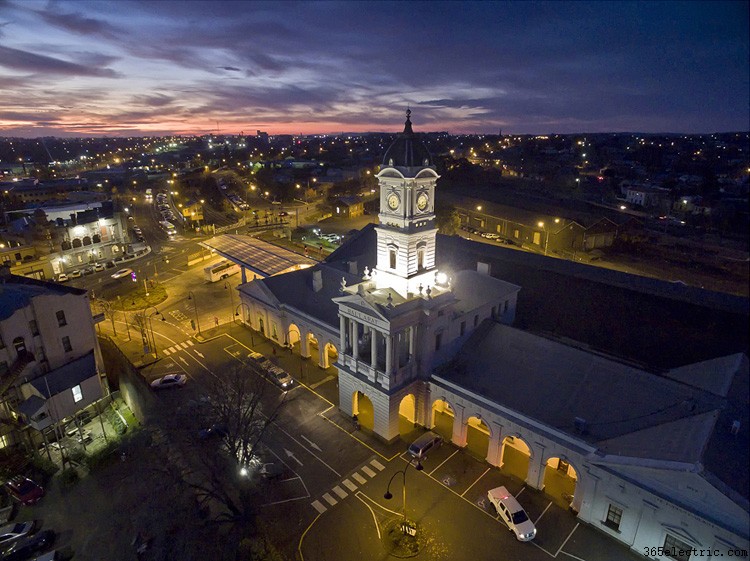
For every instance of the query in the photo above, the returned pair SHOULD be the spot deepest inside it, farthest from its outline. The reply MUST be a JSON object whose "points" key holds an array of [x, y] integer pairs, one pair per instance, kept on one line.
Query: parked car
{"points": [[280, 377], [110, 264], [25, 548], [217, 429], [76, 274], [423, 444], [62, 277], [260, 360], [169, 381], [98, 267], [24, 490], [122, 273], [512, 513], [271, 470], [11, 533]]}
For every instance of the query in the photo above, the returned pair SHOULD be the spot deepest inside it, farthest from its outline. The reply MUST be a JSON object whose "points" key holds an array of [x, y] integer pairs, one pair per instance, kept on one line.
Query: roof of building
{"points": [[350, 201], [473, 289], [67, 376], [257, 255], [16, 292], [30, 406], [408, 150]]}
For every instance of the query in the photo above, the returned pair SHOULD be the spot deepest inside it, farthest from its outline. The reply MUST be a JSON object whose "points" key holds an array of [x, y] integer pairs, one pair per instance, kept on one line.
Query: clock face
{"points": [[393, 201], [422, 201]]}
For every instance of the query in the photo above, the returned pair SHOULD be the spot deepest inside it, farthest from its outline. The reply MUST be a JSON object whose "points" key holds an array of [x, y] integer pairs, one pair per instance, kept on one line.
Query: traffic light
{"points": [[133, 277]]}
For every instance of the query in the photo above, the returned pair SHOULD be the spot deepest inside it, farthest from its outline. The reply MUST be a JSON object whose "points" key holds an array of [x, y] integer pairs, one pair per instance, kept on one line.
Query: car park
{"points": [[13, 532], [512, 513], [62, 277], [24, 490], [26, 547], [169, 381], [121, 273]]}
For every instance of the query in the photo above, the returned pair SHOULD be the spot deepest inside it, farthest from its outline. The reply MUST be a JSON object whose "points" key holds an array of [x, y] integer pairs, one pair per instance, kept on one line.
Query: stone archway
{"points": [[328, 355], [363, 409], [407, 414], [292, 336], [514, 457], [442, 419], [477, 436], [560, 481]]}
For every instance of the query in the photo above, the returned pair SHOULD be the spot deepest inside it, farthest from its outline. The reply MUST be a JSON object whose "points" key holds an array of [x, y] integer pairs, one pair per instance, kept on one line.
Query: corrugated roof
{"points": [[261, 257]]}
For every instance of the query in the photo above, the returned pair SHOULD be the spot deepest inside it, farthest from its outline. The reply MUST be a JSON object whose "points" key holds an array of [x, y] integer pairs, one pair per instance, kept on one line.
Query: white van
{"points": [[422, 445], [512, 513]]}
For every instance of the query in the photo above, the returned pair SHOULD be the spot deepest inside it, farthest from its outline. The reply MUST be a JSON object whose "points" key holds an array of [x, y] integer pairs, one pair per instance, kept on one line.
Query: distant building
{"points": [[348, 207], [50, 362]]}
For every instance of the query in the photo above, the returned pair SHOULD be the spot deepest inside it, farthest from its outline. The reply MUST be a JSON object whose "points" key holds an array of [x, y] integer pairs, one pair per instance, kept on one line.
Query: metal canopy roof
{"points": [[261, 257]]}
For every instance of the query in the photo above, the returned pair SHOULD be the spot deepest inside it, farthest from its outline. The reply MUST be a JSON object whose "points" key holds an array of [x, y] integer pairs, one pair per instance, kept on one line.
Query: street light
{"points": [[388, 495], [245, 318], [151, 326], [546, 238], [195, 303], [231, 300]]}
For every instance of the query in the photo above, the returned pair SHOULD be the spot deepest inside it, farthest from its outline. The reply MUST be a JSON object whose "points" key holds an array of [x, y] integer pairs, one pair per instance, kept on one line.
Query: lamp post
{"points": [[192, 297], [231, 301], [546, 237], [244, 319], [151, 326], [388, 495]]}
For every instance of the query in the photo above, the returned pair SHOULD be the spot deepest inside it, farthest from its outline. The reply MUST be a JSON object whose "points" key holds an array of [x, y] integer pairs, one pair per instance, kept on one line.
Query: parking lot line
{"points": [[445, 460], [317, 505], [542, 514], [477, 479], [566, 539], [349, 485]]}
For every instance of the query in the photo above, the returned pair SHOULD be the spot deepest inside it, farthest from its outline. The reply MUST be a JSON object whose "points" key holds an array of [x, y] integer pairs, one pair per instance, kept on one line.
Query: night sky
{"points": [[150, 68]]}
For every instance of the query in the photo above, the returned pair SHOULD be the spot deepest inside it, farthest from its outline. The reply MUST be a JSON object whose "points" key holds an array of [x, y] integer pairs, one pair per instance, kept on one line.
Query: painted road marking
{"points": [[166, 352], [190, 342], [323, 381], [184, 345], [340, 492], [377, 465], [368, 471], [317, 505], [349, 485], [329, 499], [542, 514], [361, 480]]}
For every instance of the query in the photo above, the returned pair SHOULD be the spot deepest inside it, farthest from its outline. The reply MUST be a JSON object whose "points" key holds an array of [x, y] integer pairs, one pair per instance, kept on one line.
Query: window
{"points": [[66, 344], [516, 234], [676, 549], [463, 328], [614, 515], [537, 238], [33, 328], [420, 258], [77, 394], [61, 321], [505, 307], [392, 254], [438, 341]]}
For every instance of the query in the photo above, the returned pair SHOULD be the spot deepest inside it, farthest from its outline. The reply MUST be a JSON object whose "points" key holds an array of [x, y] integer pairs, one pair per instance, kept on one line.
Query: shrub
{"points": [[68, 477]]}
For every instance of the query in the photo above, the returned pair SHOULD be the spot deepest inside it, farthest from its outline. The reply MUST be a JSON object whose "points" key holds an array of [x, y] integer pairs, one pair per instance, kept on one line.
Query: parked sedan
{"points": [[11, 533], [24, 490], [62, 277], [99, 267], [76, 274], [122, 273], [280, 377], [26, 547], [169, 381]]}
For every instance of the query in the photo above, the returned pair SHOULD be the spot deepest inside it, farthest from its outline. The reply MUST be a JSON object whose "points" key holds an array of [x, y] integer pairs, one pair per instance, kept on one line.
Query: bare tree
{"points": [[214, 442]]}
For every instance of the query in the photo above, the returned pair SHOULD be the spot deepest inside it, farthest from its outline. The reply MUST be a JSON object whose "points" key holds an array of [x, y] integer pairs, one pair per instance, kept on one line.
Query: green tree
{"points": [[447, 219]]}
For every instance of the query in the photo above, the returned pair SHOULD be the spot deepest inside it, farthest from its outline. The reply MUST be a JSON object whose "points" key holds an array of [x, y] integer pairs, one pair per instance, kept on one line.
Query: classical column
{"points": [[412, 339], [343, 333], [388, 354], [354, 330], [493, 450], [374, 349], [244, 274], [460, 427], [535, 475]]}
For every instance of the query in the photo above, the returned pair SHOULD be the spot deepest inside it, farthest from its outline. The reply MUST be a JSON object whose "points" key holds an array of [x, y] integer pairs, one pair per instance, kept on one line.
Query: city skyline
{"points": [[160, 68]]}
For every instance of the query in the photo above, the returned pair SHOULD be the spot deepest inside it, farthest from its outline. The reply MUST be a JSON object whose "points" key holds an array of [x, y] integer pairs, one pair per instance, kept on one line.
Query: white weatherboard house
{"points": [[647, 457]]}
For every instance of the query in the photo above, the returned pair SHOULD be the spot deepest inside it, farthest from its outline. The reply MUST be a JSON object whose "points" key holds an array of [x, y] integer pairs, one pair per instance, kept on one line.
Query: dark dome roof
{"points": [[407, 150]]}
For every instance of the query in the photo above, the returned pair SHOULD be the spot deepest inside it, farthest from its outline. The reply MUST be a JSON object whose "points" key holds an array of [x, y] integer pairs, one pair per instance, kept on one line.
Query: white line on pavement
{"points": [[445, 460]]}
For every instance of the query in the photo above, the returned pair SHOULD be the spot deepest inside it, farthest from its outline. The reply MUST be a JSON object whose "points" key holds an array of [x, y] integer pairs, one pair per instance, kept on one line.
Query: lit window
{"points": [[77, 394], [614, 516], [676, 549], [393, 258]]}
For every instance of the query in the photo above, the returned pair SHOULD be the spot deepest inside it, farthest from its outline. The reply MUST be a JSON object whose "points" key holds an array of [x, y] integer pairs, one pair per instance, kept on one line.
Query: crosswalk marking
{"points": [[340, 492], [368, 471], [190, 342], [377, 465], [184, 345], [171, 349], [329, 499], [349, 485], [317, 505], [361, 480], [166, 352]]}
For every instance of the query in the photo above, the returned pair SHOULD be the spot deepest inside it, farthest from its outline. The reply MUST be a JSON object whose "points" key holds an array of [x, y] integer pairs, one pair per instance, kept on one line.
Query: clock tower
{"points": [[406, 232]]}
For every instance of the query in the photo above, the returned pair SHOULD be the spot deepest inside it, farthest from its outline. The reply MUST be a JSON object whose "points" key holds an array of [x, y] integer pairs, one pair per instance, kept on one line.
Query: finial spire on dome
{"points": [[407, 124]]}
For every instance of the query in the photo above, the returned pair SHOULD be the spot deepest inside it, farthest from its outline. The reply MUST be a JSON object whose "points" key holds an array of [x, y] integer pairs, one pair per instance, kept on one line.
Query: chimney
{"points": [[317, 280], [483, 268], [353, 267]]}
